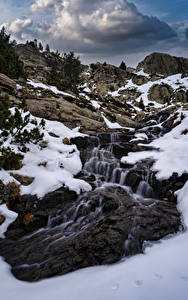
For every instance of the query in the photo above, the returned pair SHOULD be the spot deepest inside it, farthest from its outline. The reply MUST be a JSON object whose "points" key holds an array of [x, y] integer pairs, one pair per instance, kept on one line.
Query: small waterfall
{"points": [[106, 167], [144, 190]]}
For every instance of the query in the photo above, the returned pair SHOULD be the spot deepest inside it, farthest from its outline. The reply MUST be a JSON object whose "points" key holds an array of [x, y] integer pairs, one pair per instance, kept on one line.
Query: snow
{"points": [[110, 124], [48, 87], [175, 81], [9, 215], [142, 73], [95, 104], [61, 162], [172, 156], [85, 96], [19, 87], [115, 125], [86, 88], [140, 136]]}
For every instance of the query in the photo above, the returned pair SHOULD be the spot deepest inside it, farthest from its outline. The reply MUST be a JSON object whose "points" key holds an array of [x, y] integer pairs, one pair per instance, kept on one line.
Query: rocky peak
{"points": [[164, 64]]}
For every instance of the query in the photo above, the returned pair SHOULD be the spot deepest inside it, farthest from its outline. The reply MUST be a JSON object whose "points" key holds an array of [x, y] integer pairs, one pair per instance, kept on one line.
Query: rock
{"points": [[181, 96], [68, 113], [7, 82], [165, 64], [28, 218], [99, 228], [24, 180], [2, 219], [139, 80], [66, 141], [4, 193], [161, 93]]}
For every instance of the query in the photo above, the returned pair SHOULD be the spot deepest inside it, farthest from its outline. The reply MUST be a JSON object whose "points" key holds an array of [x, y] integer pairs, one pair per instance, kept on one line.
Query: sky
{"points": [[101, 30]]}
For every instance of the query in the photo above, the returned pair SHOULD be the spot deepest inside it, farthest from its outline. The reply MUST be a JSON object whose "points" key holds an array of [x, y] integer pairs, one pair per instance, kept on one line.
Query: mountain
{"points": [[102, 176]]}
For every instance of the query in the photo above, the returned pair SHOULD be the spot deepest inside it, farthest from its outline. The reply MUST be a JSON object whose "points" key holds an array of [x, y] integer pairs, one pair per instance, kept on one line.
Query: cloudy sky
{"points": [[101, 30]]}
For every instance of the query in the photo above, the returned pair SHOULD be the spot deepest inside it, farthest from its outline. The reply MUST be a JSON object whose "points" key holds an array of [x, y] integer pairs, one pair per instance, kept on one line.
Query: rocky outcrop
{"points": [[164, 64], [107, 77], [161, 93], [6, 82], [64, 111]]}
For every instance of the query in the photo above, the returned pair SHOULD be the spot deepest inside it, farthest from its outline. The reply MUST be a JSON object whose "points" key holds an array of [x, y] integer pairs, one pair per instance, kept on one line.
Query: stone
{"points": [[161, 93], [7, 82], [2, 219]]}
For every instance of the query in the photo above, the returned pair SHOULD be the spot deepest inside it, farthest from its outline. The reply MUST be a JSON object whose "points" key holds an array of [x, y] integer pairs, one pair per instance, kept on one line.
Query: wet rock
{"points": [[114, 225]]}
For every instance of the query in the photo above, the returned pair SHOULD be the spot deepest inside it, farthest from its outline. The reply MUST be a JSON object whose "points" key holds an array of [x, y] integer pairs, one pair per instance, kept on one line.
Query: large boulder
{"points": [[164, 64], [161, 93]]}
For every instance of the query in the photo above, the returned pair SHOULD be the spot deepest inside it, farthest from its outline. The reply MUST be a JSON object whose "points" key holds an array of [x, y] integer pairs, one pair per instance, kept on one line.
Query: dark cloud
{"points": [[105, 25], [186, 33]]}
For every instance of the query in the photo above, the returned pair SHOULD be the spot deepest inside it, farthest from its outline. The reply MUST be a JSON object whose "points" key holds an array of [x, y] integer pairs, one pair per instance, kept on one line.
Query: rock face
{"points": [[163, 64], [64, 111]]}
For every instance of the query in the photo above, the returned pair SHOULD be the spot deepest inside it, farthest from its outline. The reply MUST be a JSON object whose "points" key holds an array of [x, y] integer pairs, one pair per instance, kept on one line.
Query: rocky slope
{"points": [[121, 111]]}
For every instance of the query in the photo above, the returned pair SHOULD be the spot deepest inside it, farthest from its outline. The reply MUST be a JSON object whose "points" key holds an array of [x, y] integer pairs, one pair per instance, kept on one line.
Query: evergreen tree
{"points": [[40, 46], [71, 71], [141, 104], [10, 64], [69, 75], [47, 48], [123, 66]]}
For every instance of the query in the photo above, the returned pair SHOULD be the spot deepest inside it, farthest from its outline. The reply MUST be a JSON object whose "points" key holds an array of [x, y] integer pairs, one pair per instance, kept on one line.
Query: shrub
{"points": [[13, 128]]}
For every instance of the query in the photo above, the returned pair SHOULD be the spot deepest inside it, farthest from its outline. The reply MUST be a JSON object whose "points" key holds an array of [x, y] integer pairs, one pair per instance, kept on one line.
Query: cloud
{"points": [[100, 26], [20, 28], [46, 5]]}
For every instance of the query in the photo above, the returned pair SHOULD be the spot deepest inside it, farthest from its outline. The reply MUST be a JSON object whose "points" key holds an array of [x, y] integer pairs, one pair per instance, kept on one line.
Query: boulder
{"points": [[5, 81], [161, 93]]}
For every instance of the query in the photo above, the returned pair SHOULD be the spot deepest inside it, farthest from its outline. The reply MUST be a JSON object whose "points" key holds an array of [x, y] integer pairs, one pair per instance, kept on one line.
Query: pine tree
{"points": [[123, 66], [47, 48], [40, 46], [71, 71], [10, 64], [69, 76]]}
